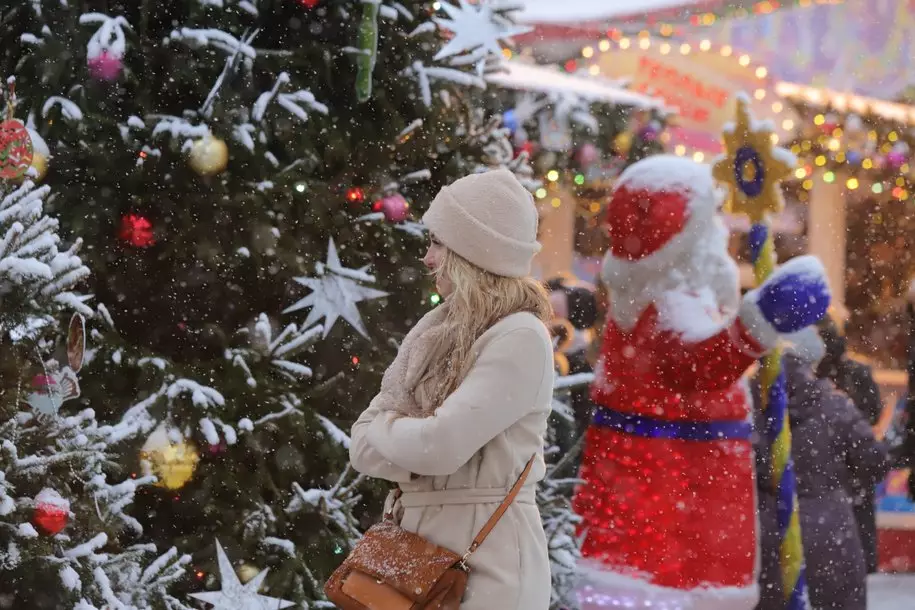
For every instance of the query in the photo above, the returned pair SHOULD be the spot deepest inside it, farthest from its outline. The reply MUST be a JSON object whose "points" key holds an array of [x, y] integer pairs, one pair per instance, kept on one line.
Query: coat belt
{"points": [[472, 495]]}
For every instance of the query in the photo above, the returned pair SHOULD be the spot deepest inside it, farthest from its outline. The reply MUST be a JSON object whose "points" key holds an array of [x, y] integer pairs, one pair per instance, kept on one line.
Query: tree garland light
{"points": [[860, 150]]}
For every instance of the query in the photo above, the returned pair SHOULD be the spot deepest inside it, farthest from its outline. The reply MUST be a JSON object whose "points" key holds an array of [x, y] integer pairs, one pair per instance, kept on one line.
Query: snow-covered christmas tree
{"points": [[245, 174], [66, 539]]}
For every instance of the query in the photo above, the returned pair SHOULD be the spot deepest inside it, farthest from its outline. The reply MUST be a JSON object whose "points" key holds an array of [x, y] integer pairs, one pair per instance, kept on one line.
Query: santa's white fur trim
{"points": [[600, 589], [755, 322]]}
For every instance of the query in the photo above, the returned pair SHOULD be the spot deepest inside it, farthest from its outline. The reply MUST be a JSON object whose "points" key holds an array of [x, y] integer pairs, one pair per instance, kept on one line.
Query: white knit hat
{"points": [[490, 220]]}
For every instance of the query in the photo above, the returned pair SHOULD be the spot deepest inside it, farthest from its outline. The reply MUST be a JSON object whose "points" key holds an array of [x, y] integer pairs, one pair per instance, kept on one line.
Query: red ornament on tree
{"points": [[52, 512], [136, 231], [15, 149], [355, 195], [309, 3], [527, 147], [394, 207]]}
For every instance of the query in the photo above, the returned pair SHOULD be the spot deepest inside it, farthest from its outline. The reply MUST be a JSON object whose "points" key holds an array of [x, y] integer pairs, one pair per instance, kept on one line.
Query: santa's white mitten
{"points": [[792, 298]]}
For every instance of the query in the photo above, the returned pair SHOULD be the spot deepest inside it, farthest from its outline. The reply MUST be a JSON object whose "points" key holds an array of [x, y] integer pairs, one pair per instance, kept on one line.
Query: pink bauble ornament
{"points": [[394, 207], [587, 155], [896, 159], [105, 66]]}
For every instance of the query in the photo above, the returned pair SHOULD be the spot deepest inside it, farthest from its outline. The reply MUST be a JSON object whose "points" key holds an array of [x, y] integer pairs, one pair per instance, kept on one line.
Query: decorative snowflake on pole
{"points": [[335, 293], [237, 596], [475, 27]]}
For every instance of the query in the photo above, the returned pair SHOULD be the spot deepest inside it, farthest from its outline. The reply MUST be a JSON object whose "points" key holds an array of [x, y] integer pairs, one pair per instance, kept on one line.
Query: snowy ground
{"points": [[891, 592]]}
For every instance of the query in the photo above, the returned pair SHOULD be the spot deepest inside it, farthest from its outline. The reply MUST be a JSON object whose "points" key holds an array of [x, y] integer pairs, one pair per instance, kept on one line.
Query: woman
{"points": [[464, 406], [832, 443]]}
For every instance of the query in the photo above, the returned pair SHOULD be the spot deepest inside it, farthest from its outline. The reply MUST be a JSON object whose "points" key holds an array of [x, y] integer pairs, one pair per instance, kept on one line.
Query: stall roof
{"points": [[526, 76], [571, 11]]}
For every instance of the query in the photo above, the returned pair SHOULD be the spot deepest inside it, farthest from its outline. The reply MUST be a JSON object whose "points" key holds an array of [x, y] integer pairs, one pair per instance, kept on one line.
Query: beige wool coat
{"points": [[456, 465]]}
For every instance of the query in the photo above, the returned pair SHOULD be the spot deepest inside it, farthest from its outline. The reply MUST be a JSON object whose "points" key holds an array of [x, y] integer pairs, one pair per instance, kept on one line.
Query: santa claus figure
{"points": [[667, 500]]}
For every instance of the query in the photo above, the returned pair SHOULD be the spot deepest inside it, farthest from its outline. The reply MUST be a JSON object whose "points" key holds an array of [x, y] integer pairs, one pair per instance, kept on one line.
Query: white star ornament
{"points": [[237, 596], [335, 293], [474, 26]]}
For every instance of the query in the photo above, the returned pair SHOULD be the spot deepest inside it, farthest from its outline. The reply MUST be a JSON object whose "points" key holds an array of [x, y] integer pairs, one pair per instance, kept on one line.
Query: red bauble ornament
{"points": [[394, 207], [527, 147], [15, 149], [136, 231], [355, 195], [105, 66], [219, 448], [309, 3], [52, 512]]}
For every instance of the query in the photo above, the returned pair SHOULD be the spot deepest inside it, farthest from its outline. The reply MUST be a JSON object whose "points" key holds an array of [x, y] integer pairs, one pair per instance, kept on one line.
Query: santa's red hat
{"points": [[661, 206]]}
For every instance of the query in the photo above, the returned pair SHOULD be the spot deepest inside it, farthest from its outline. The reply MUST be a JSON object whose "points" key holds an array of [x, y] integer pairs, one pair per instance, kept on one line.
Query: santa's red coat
{"points": [[677, 513]]}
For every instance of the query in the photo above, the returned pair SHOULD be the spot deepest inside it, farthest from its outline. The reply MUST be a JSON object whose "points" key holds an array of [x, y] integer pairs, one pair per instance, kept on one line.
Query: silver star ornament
{"points": [[473, 27], [237, 596], [335, 293]]}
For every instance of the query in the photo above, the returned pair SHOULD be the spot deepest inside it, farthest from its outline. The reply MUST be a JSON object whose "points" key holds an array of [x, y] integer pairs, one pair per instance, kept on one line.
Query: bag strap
{"points": [[496, 516]]}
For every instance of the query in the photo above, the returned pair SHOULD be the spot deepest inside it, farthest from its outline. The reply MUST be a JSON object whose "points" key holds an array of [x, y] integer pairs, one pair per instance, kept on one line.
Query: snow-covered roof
{"points": [[569, 11], [545, 79]]}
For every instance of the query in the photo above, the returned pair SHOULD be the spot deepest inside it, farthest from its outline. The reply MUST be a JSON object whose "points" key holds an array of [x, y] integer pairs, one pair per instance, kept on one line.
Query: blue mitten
{"points": [[792, 298]]}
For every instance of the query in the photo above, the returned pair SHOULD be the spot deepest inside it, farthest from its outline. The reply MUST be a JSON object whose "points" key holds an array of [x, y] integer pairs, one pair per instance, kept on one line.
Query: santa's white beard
{"points": [[705, 266]]}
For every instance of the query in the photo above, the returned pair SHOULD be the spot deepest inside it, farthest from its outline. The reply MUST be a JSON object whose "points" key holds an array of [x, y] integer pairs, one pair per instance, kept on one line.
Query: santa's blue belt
{"points": [[650, 427]]}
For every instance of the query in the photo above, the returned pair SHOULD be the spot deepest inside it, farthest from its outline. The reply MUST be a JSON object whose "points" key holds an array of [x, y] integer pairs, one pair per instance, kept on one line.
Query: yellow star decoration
{"points": [[752, 167]]}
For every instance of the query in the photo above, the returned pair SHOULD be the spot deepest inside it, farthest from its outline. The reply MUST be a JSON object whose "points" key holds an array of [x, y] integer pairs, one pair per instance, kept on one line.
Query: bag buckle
{"points": [[462, 564]]}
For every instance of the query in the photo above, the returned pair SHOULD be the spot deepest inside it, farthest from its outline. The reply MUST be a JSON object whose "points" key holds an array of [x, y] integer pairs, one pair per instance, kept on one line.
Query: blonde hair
{"points": [[478, 300]]}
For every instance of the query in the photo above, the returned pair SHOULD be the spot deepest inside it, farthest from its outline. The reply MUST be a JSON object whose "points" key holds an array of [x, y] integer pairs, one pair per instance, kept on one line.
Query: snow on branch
{"points": [[33, 272], [68, 109], [212, 37]]}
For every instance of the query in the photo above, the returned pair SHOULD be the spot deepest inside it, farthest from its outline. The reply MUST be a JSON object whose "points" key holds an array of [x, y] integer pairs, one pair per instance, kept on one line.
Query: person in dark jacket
{"points": [[907, 454], [578, 305], [832, 444], [856, 380]]}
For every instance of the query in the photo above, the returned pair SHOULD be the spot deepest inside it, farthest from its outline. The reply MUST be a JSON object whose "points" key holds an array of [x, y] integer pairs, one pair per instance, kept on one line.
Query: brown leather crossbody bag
{"points": [[393, 569]]}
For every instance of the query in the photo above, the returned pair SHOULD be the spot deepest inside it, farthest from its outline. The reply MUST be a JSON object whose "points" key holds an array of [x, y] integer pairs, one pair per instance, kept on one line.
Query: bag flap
{"points": [[409, 563]]}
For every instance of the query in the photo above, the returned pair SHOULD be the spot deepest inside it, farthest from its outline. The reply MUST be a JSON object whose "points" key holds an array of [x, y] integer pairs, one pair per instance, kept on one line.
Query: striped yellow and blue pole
{"points": [[752, 167], [778, 433]]}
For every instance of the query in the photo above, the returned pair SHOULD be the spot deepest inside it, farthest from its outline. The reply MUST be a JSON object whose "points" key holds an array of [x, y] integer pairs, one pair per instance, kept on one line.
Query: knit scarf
{"points": [[400, 389]]}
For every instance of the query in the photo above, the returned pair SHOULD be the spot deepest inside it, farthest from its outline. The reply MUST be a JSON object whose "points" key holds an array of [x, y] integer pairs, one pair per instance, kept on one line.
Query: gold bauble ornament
{"points": [[209, 156], [246, 572], [169, 457], [623, 142], [38, 169]]}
